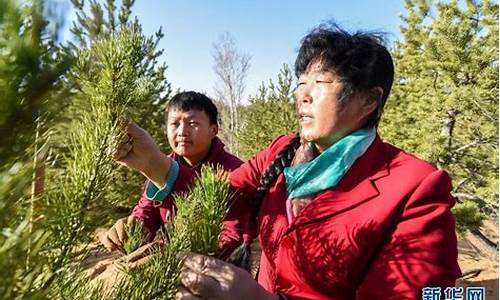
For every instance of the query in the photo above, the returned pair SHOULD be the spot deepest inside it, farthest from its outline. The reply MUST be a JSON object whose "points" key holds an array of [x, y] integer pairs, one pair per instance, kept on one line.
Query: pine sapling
{"points": [[135, 237], [195, 227]]}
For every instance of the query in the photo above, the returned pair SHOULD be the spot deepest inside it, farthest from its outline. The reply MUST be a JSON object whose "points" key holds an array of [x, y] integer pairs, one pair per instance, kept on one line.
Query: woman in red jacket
{"points": [[339, 213]]}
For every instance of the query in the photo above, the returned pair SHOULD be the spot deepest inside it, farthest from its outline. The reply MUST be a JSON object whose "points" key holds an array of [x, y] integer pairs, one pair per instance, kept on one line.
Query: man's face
{"points": [[323, 119], [190, 133]]}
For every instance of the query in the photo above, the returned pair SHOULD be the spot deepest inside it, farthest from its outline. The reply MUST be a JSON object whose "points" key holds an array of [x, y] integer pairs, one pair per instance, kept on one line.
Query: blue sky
{"points": [[269, 31]]}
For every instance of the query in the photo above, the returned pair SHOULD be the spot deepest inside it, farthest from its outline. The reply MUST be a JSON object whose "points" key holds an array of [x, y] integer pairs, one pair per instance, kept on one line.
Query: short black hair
{"points": [[191, 100], [360, 60]]}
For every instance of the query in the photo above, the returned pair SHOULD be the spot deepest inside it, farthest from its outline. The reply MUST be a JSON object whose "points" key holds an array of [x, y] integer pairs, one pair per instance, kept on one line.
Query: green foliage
{"points": [[19, 250], [148, 86], [444, 107], [198, 220], [270, 113], [470, 217], [444, 104], [109, 82], [30, 65], [66, 124], [135, 237], [30, 72], [195, 227]]}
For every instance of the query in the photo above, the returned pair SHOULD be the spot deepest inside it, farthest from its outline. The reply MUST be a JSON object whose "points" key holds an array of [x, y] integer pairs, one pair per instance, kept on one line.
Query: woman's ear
{"points": [[372, 100]]}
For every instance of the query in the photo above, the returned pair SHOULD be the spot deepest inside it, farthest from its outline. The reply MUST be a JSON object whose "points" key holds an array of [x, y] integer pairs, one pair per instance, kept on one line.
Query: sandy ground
{"points": [[479, 260]]}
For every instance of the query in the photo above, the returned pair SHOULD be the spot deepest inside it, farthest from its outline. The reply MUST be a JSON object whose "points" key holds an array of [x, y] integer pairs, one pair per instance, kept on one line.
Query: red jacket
{"points": [[384, 231], [155, 215]]}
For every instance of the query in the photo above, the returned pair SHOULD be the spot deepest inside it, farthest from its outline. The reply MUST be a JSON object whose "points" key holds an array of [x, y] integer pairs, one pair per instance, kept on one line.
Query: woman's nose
{"points": [[182, 129], [304, 94], [307, 98]]}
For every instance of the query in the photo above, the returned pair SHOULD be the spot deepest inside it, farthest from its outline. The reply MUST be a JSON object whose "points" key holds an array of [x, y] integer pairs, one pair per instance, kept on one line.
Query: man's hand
{"points": [[116, 236], [138, 150], [142, 254], [204, 277]]}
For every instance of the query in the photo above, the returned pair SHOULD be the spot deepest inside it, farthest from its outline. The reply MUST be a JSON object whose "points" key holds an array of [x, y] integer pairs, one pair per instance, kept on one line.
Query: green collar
{"points": [[328, 168]]}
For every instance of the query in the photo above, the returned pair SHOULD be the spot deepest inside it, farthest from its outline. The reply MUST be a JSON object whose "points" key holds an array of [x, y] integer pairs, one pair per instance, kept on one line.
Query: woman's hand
{"points": [[206, 277], [138, 150]]}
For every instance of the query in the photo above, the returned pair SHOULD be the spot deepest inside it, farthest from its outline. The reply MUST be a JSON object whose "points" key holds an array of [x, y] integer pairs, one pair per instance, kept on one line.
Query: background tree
{"points": [[30, 66], [444, 104], [96, 22], [116, 74], [31, 69], [269, 114], [231, 68], [72, 117]]}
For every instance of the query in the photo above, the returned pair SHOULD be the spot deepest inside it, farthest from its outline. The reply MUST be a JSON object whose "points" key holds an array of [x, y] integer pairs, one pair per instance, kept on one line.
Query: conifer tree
{"points": [[104, 22], [444, 103], [196, 227], [74, 200], [116, 74], [31, 67], [270, 113]]}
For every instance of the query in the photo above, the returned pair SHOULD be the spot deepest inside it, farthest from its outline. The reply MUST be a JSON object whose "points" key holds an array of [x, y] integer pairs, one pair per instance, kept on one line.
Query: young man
{"points": [[191, 129]]}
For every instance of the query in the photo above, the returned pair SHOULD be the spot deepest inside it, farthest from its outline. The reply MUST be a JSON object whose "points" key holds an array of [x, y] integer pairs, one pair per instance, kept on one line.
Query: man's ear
{"points": [[214, 129]]}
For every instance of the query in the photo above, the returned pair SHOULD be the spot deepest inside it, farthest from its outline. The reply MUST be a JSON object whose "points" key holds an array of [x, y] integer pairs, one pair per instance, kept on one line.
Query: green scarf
{"points": [[328, 168]]}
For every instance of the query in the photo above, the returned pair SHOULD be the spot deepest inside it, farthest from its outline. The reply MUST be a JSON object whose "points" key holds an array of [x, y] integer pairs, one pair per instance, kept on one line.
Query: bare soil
{"points": [[479, 262]]}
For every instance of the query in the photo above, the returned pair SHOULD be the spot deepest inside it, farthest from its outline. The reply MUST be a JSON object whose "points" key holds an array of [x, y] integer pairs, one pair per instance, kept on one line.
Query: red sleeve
{"points": [[238, 226], [422, 251], [146, 211], [153, 214]]}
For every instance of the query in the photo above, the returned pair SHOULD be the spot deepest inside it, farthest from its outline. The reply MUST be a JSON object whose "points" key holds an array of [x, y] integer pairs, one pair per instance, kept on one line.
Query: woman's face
{"points": [[323, 120], [190, 133]]}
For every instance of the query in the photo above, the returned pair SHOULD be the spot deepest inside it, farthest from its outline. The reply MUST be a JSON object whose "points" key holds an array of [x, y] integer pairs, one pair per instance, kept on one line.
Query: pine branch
{"points": [[195, 227]]}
